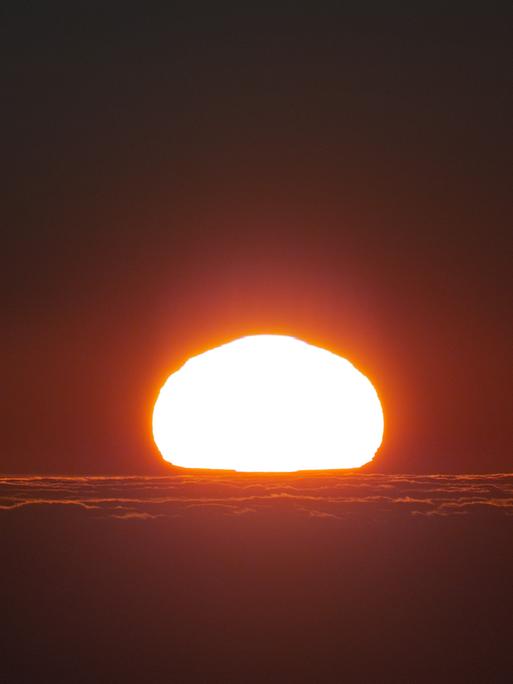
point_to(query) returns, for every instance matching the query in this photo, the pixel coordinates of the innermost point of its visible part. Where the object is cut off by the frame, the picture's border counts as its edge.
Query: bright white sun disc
(268, 403)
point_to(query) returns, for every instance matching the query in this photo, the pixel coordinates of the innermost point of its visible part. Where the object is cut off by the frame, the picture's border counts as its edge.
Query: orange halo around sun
(268, 403)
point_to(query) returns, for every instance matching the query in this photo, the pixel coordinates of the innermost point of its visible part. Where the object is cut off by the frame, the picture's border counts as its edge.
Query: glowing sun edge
(268, 403)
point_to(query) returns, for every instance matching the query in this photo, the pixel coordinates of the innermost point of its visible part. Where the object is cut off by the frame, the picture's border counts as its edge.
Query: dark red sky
(177, 178)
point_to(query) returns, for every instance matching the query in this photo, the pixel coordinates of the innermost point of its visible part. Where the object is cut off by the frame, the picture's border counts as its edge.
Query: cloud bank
(320, 497)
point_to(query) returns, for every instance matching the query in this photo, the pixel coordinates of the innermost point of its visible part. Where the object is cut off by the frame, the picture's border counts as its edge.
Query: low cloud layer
(320, 496)
(245, 578)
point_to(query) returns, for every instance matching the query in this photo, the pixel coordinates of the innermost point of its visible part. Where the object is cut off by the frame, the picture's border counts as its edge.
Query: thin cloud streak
(323, 496)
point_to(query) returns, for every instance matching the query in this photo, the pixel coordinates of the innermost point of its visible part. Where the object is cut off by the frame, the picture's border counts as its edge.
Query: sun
(268, 403)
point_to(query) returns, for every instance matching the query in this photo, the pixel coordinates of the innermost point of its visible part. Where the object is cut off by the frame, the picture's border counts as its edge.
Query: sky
(177, 177)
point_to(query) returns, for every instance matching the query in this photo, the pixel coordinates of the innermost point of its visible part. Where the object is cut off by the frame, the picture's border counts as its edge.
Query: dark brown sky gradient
(177, 178)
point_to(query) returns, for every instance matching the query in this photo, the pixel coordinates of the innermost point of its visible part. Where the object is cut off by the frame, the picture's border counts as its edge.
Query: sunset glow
(268, 403)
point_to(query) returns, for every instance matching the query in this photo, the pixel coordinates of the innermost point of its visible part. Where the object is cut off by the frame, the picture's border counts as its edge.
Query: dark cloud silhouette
(217, 577)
